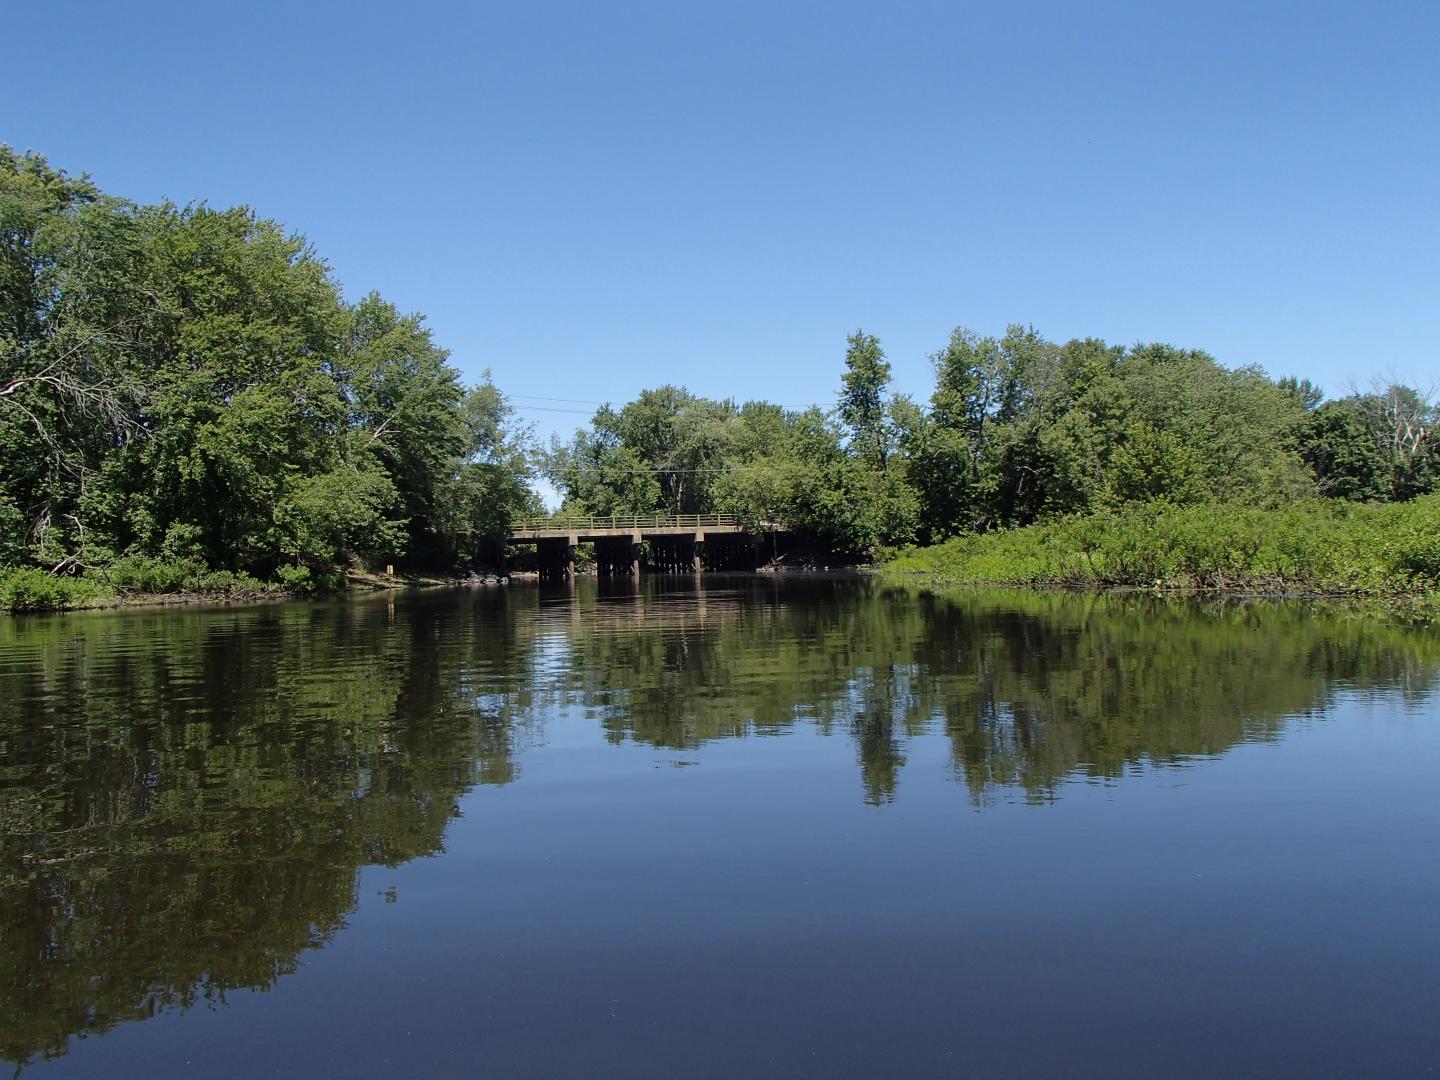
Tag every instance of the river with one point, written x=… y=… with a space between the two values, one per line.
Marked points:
x=746 y=827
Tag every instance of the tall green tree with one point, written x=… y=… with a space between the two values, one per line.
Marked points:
x=405 y=410
x=660 y=452
x=862 y=398
x=1375 y=445
x=489 y=486
x=1342 y=453
x=189 y=383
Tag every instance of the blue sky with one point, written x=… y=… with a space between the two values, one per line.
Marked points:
x=590 y=199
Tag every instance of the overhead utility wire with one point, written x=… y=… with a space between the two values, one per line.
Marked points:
x=585 y=401
x=571 y=400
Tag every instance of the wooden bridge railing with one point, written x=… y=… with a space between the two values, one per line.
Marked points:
x=575 y=523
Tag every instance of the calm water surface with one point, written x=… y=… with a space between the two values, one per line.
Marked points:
x=765 y=828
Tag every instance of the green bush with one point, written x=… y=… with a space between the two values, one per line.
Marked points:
x=28 y=588
x=146 y=574
x=231 y=582
x=296 y=579
x=1317 y=546
x=1414 y=542
x=32 y=589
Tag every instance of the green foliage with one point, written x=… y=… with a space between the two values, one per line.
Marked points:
x=1313 y=546
x=670 y=451
x=27 y=588
x=1152 y=464
x=146 y=574
x=185 y=383
x=189 y=384
x=321 y=517
x=862 y=398
x=659 y=452
x=1378 y=445
x=295 y=579
x=32 y=589
x=13 y=548
x=1341 y=453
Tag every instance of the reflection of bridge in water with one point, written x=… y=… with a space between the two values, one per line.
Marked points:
x=665 y=543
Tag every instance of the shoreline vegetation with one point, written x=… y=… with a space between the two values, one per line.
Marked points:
x=191 y=408
x=1320 y=548
x=1313 y=550
x=26 y=590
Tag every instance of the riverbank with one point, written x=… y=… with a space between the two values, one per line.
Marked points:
x=1311 y=549
x=154 y=583
x=1316 y=548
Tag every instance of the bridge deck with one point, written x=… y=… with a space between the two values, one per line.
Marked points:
x=641 y=527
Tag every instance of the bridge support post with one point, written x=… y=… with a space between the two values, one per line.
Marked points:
x=556 y=558
x=697 y=552
x=633 y=555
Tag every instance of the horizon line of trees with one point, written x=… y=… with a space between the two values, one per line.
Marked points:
x=1017 y=430
x=190 y=385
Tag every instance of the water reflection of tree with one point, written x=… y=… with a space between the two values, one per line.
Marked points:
x=186 y=797
x=1029 y=688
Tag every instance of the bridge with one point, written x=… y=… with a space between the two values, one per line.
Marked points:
x=677 y=543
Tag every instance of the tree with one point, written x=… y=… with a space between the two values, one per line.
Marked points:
x=862 y=398
x=1336 y=444
x=488 y=487
x=1402 y=422
x=405 y=410
x=985 y=463
x=69 y=341
x=189 y=383
x=661 y=452
x=1305 y=393
x=1375 y=445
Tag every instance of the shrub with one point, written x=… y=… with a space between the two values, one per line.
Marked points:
x=1318 y=546
x=146 y=574
x=143 y=573
x=1414 y=542
x=28 y=588
x=296 y=579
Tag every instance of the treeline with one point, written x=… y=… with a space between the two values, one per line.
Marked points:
x=1018 y=430
x=185 y=387
x=187 y=400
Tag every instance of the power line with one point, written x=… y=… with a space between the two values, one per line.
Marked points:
x=570 y=400
x=611 y=404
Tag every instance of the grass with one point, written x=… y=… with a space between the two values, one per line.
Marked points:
x=1315 y=547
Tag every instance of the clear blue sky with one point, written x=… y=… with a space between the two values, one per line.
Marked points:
x=591 y=198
